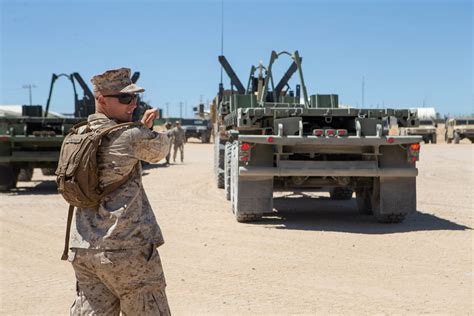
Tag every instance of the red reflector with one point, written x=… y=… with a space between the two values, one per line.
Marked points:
x=390 y=140
x=4 y=139
x=270 y=139
x=330 y=132
x=413 y=158
x=244 y=158
x=341 y=132
x=415 y=146
x=318 y=132
x=245 y=146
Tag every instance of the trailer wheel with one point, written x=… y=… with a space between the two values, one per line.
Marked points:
x=25 y=174
x=364 y=205
x=219 y=162
x=227 y=171
x=8 y=178
x=48 y=171
x=339 y=193
x=205 y=138
x=434 y=139
x=457 y=138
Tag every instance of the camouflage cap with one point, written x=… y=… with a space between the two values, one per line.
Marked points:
x=115 y=81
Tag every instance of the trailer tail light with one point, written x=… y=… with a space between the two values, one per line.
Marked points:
x=245 y=146
x=390 y=140
x=270 y=139
x=330 y=132
x=342 y=132
x=318 y=132
x=414 y=152
x=415 y=146
x=244 y=152
x=4 y=139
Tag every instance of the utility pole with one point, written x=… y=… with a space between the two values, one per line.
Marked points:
x=167 y=109
x=363 y=90
x=29 y=87
x=186 y=108
x=180 y=109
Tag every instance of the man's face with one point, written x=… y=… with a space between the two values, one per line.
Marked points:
x=117 y=110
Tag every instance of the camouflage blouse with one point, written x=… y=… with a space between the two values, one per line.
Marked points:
x=125 y=218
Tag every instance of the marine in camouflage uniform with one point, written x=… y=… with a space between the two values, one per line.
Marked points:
x=114 y=248
x=170 y=135
x=179 y=138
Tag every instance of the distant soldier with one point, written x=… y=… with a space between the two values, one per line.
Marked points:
x=179 y=138
x=114 y=247
x=170 y=135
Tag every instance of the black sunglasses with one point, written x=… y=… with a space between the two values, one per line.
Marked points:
x=123 y=98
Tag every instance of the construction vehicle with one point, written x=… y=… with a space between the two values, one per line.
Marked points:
x=459 y=128
x=268 y=137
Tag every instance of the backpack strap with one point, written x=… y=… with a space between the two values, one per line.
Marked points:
x=117 y=126
x=68 y=231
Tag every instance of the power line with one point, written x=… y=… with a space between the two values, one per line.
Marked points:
x=29 y=87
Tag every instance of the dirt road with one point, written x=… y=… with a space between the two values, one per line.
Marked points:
x=304 y=259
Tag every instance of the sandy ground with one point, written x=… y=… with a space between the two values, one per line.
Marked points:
x=319 y=257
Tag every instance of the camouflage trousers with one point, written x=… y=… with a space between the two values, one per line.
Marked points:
x=128 y=281
x=175 y=151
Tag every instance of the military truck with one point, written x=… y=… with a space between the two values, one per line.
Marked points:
x=193 y=127
x=270 y=137
x=197 y=128
x=459 y=128
x=426 y=129
x=33 y=138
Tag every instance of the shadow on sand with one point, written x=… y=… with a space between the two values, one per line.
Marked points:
x=39 y=187
x=45 y=187
x=323 y=214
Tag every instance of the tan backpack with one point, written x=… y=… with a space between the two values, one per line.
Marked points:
x=77 y=172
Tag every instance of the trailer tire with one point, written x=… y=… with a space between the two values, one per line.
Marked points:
x=8 y=178
x=48 y=171
x=434 y=139
x=25 y=174
x=219 y=162
x=339 y=193
x=227 y=171
x=364 y=205
x=205 y=139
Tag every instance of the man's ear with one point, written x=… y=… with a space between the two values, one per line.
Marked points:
x=101 y=100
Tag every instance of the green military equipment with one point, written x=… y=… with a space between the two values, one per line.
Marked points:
x=32 y=139
x=269 y=137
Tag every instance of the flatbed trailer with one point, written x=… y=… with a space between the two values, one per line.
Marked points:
x=268 y=141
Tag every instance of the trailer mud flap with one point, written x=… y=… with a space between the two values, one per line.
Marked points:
x=255 y=195
x=397 y=195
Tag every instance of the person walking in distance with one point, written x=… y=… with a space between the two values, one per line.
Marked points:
x=113 y=247
x=170 y=135
x=179 y=138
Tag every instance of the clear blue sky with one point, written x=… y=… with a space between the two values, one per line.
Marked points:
x=409 y=52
